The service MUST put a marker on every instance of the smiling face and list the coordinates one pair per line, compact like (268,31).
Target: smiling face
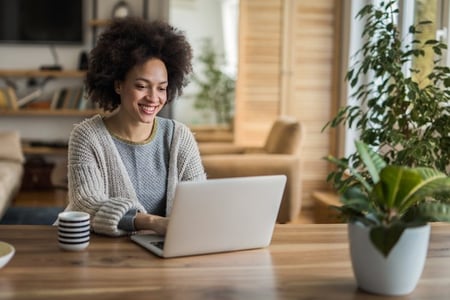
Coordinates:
(143,92)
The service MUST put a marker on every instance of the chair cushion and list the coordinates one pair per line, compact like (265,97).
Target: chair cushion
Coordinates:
(284,136)
(11,149)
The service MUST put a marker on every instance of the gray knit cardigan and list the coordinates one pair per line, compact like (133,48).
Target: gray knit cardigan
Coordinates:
(99,183)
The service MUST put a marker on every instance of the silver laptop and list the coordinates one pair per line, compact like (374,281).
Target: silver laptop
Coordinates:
(219,215)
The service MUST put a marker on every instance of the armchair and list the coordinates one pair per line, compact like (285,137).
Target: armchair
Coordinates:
(279,155)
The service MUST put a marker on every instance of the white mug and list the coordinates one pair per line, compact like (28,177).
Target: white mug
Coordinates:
(73,230)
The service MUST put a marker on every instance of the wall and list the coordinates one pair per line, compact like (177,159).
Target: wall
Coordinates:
(289,68)
(200,19)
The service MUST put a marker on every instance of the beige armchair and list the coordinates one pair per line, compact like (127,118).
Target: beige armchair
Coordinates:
(280,155)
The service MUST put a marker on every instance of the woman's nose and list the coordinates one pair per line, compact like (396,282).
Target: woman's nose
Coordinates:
(150,94)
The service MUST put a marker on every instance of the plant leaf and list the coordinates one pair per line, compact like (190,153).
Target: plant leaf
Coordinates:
(433,211)
(385,238)
(344,164)
(432,182)
(395,186)
(373,162)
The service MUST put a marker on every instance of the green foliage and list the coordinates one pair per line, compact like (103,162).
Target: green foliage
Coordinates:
(390,198)
(216,89)
(406,117)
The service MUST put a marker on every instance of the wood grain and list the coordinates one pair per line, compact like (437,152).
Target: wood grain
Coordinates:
(303,262)
(288,65)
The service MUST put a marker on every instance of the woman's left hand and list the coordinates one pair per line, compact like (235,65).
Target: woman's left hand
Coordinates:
(155,223)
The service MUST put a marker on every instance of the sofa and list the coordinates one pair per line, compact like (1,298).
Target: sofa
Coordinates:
(11,168)
(281,154)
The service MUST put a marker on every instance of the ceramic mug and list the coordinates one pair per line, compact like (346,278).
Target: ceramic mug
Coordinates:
(73,230)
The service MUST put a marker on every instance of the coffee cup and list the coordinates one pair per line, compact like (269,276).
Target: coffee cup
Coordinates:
(73,230)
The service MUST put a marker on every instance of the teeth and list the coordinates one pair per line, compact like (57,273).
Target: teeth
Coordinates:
(148,109)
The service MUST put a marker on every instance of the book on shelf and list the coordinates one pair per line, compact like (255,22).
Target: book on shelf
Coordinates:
(84,103)
(60,99)
(69,98)
(75,98)
(55,99)
(8,98)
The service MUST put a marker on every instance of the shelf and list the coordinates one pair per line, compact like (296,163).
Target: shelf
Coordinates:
(42,73)
(99,22)
(50,112)
(31,150)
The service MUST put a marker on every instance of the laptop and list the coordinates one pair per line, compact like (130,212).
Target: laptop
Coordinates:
(219,215)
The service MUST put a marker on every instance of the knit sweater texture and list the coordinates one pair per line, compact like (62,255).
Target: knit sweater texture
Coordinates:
(98,180)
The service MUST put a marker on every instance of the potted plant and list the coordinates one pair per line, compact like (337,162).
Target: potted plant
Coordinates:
(216,89)
(388,208)
(401,111)
(401,93)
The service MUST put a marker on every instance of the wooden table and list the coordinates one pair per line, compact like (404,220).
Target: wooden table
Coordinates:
(303,262)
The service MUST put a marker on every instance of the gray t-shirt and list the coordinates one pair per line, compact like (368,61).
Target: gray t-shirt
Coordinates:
(147,165)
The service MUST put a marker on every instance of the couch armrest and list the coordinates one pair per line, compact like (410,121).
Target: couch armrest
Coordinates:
(11,149)
(223,166)
(10,180)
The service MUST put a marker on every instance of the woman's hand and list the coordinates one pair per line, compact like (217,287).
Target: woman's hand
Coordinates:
(155,223)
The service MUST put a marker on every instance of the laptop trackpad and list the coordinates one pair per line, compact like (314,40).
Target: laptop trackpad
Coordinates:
(154,243)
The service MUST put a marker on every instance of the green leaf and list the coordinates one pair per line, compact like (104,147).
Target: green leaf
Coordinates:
(447,82)
(431,42)
(373,162)
(396,184)
(432,211)
(385,238)
(431,182)
(425,22)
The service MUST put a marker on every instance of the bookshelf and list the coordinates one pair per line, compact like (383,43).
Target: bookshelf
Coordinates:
(11,75)
(43,150)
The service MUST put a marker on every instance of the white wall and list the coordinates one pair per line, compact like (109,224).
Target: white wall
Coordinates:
(200,19)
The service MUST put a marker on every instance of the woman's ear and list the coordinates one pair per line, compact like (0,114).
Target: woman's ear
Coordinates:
(117,86)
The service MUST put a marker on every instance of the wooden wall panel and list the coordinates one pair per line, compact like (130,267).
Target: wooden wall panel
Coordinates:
(311,94)
(287,65)
(258,86)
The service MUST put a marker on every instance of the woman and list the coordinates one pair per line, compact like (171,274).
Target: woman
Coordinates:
(123,168)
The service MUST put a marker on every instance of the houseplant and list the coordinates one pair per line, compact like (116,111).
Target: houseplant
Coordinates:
(400,107)
(388,208)
(216,89)
(396,182)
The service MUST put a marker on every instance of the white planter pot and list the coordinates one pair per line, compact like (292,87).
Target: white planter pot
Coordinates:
(396,274)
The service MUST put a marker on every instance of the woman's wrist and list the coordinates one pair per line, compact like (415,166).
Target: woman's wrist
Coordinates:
(145,221)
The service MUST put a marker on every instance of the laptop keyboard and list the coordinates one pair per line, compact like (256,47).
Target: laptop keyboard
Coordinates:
(158,244)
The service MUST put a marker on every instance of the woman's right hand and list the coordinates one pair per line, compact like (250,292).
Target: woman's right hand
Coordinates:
(155,223)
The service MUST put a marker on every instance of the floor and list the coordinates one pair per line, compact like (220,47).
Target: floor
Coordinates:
(58,197)
(43,198)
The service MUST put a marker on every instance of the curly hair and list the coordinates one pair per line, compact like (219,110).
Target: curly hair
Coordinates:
(132,41)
